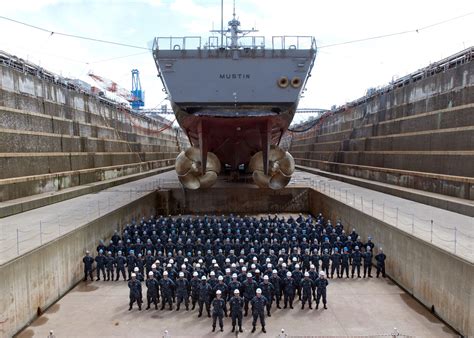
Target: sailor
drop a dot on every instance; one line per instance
(356, 261)
(166, 285)
(345, 256)
(139, 275)
(276, 282)
(223, 288)
(289, 290)
(335, 263)
(380, 258)
(204, 297)
(234, 285)
(297, 277)
(131, 260)
(268, 291)
(88, 263)
(325, 259)
(110, 265)
(135, 291)
(258, 310)
(249, 288)
(120, 265)
(307, 288)
(152, 290)
(100, 266)
(195, 282)
(368, 262)
(218, 309)
(321, 285)
(236, 304)
(182, 291)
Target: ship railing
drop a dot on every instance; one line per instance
(293, 42)
(177, 43)
(252, 42)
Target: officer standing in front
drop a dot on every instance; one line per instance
(380, 258)
(135, 291)
(236, 307)
(259, 303)
(218, 309)
(321, 285)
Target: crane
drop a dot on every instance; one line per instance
(138, 95)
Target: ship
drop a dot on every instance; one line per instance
(234, 94)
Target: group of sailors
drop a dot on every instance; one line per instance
(229, 264)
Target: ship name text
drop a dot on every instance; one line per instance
(234, 76)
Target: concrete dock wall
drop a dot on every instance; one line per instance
(39, 278)
(438, 279)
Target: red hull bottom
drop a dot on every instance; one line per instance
(234, 140)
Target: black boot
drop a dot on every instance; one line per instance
(148, 307)
(253, 330)
(263, 329)
(162, 307)
(156, 306)
(208, 314)
(240, 329)
(213, 328)
(139, 307)
(317, 305)
(222, 329)
(269, 314)
(200, 314)
(302, 307)
(233, 328)
(325, 307)
(130, 308)
(187, 307)
(177, 308)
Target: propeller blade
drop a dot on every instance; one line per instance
(260, 179)
(256, 162)
(276, 154)
(287, 164)
(194, 154)
(182, 164)
(208, 179)
(190, 181)
(213, 163)
(279, 181)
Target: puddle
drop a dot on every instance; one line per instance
(40, 321)
(26, 334)
(54, 308)
(85, 287)
(418, 308)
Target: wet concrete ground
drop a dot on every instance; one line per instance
(356, 307)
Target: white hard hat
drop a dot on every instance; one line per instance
(218, 292)
(165, 273)
(265, 277)
(284, 265)
(220, 278)
(203, 277)
(198, 265)
(249, 275)
(234, 275)
(257, 271)
(297, 266)
(150, 273)
(259, 290)
(306, 274)
(181, 274)
(294, 259)
(274, 271)
(213, 261)
(212, 273)
(253, 266)
(269, 265)
(134, 275)
(153, 266)
(195, 273)
(169, 265)
(288, 274)
(171, 261)
(312, 266)
(244, 268)
(322, 273)
(236, 291)
(267, 260)
(227, 260)
(227, 270)
(183, 266)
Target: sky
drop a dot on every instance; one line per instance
(341, 73)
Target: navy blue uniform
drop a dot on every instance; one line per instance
(88, 262)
